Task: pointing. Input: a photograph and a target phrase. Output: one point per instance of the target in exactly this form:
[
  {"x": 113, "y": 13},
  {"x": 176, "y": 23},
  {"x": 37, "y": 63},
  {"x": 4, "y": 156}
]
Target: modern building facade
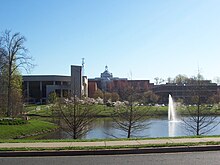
[
  {"x": 37, "y": 88},
  {"x": 76, "y": 80}
]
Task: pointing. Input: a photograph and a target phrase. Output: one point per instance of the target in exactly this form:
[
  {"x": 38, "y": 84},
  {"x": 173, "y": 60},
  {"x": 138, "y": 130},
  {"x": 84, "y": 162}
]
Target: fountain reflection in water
[
  {"x": 173, "y": 128},
  {"x": 172, "y": 118}
]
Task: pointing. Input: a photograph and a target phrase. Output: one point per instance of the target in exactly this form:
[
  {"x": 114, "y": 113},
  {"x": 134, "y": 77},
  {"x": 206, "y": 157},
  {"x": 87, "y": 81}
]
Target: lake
[{"x": 158, "y": 127}]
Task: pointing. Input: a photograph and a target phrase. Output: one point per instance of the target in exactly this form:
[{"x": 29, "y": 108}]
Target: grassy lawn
[
  {"x": 105, "y": 111},
  {"x": 39, "y": 110},
  {"x": 102, "y": 110},
  {"x": 33, "y": 127}
]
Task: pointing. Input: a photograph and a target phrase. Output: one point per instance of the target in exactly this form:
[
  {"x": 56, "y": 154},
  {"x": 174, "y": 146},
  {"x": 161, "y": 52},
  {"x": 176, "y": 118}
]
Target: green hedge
[{"x": 11, "y": 121}]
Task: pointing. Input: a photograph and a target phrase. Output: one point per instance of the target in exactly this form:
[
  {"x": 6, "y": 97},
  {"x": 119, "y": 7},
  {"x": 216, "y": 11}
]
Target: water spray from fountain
[
  {"x": 172, "y": 118},
  {"x": 171, "y": 110}
]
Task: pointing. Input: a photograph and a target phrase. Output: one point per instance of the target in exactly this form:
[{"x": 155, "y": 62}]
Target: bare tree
[
  {"x": 129, "y": 117},
  {"x": 75, "y": 116},
  {"x": 2, "y": 81},
  {"x": 158, "y": 80},
  {"x": 201, "y": 117},
  {"x": 13, "y": 49}
]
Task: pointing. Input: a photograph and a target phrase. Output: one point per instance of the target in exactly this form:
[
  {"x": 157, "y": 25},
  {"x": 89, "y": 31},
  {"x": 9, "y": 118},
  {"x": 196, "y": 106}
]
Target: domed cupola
[{"x": 106, "y": 75}]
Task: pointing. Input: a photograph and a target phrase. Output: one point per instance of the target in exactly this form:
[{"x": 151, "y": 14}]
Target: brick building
[{"x": 107, "y": 83}]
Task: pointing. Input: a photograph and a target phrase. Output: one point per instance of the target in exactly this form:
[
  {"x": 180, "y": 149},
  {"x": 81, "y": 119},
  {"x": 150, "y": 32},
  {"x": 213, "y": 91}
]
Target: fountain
[
  {"x": 171, "y": 110},
  {"x": 173, "y": 122}
]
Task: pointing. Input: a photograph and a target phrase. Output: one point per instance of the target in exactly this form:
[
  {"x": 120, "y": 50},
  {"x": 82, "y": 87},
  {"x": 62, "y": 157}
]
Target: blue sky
[{"x": 148, "y": 38}]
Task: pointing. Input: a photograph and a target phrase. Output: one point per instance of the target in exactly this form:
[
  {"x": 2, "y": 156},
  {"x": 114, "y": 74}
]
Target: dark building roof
[{"x": 46, "y": 78}]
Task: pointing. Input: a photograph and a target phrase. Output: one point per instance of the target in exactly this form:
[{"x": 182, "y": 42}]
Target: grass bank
[{"x": 33, "y": 127}]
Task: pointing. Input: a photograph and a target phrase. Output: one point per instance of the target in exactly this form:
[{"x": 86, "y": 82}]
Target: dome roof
[{"x": 106, "y": 74}]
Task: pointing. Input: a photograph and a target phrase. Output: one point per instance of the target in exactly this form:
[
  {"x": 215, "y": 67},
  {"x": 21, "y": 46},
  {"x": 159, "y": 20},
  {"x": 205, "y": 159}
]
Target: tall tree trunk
[
  {"x": 130, "y": 121},
  {"x": 198, "y": 117},
  {"x": 9, "y": 104}
]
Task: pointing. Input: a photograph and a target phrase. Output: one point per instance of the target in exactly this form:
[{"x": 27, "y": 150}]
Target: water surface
[{"x": 159, "y": 127}]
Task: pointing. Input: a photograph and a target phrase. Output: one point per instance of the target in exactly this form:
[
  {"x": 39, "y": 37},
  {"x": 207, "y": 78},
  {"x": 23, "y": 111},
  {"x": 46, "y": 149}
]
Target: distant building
[
  {"x": 92, "y": 85},
  {"x": 108, "y": 83},
  {"x": 186, "y": 91},
  {"x": 76, "y": 80},
  {"x": 37, "y": 88},
  {"x": 105, "y": 80}
]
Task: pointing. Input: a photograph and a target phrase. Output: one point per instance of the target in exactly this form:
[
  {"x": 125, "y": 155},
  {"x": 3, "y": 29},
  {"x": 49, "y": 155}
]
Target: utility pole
[{"x": 83, "y": 66}]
